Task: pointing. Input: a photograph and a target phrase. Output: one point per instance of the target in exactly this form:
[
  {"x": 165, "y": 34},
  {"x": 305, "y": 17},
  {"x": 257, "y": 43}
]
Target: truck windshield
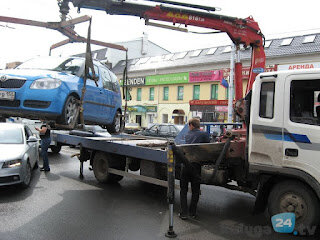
[{"x": 59, "y": 64}]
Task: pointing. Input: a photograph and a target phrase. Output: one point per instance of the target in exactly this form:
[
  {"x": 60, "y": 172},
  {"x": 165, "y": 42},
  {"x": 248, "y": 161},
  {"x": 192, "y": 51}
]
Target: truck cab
[{"x": 284, "y": 142}]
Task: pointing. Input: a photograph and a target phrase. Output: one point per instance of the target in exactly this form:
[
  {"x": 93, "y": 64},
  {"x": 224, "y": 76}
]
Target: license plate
[{"x": 7, "y": 95}]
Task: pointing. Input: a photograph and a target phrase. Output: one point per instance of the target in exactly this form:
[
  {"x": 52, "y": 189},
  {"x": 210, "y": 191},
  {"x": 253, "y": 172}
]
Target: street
[{"x": 58, "y": 205}]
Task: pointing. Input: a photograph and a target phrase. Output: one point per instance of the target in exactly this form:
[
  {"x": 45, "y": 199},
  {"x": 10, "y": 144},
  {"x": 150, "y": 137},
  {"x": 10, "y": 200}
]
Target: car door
[
  {"x": 93, "y": 98},
  {"x": 164, "y": 131},
  {"x": 108, "y": 108},
  {"x": 32, "y": 149},
  {"x": 301, "y": 132}
]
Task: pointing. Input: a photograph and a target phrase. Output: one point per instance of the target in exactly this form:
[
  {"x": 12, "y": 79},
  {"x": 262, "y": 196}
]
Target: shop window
[
  {"x": 164, "y": 118},
  {"x": 214, "y": 91},
  {"x": 196, "y": 92},
  {"x": 139, "y": 90},
  {"x": 266, "y": 109},
  {"x": 150, "y": 118},
  {"x": 180, "y": 92},
  {"x": 166, "y": 93},
  {"x": 305, "y": 101},
  {"x": 151, "y": 94}
]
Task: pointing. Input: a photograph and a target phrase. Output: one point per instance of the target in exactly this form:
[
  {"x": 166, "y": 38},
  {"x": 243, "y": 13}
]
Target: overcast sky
[{"x": 18, "y": 42}]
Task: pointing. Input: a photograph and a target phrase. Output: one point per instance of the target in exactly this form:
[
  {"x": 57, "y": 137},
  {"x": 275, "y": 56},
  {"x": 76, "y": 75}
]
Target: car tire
[
  {"x": 117, "y": 124},
  {"x": 297, "y": 197},
  {"x": 69, "y": 111},
  {"x": 27, "y": 178}
]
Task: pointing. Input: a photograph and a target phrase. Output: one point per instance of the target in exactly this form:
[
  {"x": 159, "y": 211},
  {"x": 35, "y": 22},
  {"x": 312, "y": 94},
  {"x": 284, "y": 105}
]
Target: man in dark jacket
[{"x": 191, "y": 172}]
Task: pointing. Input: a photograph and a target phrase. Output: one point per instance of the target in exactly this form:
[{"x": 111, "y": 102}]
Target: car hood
[
  {"x": 11, "y": 151},
  {"x": 33, "y": 74}
]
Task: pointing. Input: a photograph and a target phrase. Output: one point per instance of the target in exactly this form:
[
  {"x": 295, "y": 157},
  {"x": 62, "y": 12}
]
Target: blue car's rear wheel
[{"x": 69, "y": 112}]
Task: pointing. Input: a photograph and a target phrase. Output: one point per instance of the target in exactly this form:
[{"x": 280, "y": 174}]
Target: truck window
[
  {"x": 305, "y": 101},
  {"x": 266, "y": 109}
]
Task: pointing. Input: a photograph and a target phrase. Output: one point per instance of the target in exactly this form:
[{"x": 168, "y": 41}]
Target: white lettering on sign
[
  {"x": 136, "y": 81},
  {"x": 298, "y": 66}
]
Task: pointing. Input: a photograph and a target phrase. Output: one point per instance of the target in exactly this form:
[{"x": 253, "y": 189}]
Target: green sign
[
  {"x": 151, "y": 108},
  {"x": 167, "y": 79}
]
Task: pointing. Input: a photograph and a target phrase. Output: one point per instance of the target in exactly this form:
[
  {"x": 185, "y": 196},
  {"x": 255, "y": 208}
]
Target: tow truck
[{"x": 273, "y": 156}]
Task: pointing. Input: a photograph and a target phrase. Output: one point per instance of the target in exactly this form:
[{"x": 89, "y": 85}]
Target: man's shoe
[
  {"x": 193, "y": 216},
  {"x": 44, "y": 170},
  {"x": 182, "y": 216}
]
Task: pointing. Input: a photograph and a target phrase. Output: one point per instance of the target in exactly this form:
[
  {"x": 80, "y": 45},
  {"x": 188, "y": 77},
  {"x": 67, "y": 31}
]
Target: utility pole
[{"x": 230, "y": 87}]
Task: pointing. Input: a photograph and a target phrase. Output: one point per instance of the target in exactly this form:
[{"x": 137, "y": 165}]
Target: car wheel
[
  {"x": 69, "y": 112},
  {"x": 117, "y": 124},
  {"x": 27, "y": 177}
]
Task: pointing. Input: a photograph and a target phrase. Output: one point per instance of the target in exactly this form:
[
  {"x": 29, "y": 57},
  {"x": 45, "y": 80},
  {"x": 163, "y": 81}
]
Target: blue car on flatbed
[{"x": 49, "y": 87}]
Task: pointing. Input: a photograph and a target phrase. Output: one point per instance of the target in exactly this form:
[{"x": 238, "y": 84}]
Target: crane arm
[{"x": 241, "y": 31}]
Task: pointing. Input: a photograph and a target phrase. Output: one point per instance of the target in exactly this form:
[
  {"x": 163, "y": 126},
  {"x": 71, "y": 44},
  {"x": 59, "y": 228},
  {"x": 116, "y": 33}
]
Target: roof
[{"x": 280, "y": 47}]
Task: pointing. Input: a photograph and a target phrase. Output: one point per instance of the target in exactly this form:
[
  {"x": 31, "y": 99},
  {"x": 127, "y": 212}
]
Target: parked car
[
  {"x": 49, "y": 87},
  {"x": 132, "y": 128},
  {"x": 18, "y": 154},
  {"x": 165, "y": 130}
]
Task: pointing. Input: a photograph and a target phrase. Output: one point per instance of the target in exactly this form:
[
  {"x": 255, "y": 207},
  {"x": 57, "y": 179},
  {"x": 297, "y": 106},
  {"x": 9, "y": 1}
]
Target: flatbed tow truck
[{"x": 273, "y": 156}]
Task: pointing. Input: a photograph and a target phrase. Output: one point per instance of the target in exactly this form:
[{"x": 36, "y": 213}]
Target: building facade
[{"x": 175, "y": 87}]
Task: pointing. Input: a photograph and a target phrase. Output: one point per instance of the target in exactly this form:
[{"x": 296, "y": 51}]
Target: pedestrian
[
  {"x": 44, "y": 132},
  {"x": 191, "y": 172}
]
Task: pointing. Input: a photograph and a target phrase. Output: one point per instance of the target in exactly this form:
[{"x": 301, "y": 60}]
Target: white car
[{"x": 18, "y": 154}]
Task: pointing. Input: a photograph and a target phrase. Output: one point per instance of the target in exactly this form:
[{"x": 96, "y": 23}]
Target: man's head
[{"x": 194, "y": 123}]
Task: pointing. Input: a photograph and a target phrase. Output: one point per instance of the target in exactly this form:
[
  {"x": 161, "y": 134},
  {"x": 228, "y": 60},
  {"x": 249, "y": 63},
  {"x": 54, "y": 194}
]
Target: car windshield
[
  {"x": 59, "y": 64},
  {"x": 11, "y": 135}
]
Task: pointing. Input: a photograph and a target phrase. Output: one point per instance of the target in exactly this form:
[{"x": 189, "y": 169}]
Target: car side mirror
[{"x": 32, "y": 139}]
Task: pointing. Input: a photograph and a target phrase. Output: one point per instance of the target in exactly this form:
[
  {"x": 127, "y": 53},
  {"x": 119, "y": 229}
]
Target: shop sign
[
  {"x": 136, "y": 109},
  {"x": 167, "y": 79},
  {"x": 209, "y": 102},
  {"x": 151, "y": 108},
  {"x": 206, "y": 76},
  {"x": 221, "y": 108},
  {"x": 138, "y": 81},
  {"x": 246, "y": 71},
  {"x": 142, "y": 108},
  {"x": 297, "y": 66}
]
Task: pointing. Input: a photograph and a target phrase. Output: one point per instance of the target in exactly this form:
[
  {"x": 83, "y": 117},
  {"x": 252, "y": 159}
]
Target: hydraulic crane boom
[{"x": 241, "y": 31}]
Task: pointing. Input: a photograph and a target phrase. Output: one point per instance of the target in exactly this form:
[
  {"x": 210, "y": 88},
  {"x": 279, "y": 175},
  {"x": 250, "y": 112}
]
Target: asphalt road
[{"x": 58, "y": 205}]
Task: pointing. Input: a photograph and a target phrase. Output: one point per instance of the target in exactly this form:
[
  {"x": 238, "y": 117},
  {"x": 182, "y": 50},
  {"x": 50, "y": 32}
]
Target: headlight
[
  {"x": 46, "y": 83},
  {"x": 11, "y": 164}
]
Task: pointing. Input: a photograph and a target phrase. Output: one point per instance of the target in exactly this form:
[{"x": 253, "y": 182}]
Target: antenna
[{"x": 186, "y": 5}]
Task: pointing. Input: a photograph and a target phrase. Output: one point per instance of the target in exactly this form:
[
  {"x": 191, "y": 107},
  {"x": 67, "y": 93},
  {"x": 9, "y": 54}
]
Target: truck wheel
[
  {"x": 296, "y": 197},
  {"x": 55, "y": 148},
  {"x": 101, "y": 164}
]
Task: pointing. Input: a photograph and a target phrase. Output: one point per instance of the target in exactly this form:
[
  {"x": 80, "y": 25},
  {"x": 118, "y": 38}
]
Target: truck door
[
  {"x": 301, "y": 132},
  {"x": 266, "y": 122}
]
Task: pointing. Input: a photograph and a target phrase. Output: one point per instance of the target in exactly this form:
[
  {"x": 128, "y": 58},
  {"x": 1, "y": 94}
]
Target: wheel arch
[{"x": 267, "y": 180}]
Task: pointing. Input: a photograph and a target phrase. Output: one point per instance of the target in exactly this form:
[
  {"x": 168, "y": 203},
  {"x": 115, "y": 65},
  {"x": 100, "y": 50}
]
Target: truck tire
[
  {"x": 55, "y": 148},
  {"x": 295, "y": 196},
  {"x": 102, "y": 162}
]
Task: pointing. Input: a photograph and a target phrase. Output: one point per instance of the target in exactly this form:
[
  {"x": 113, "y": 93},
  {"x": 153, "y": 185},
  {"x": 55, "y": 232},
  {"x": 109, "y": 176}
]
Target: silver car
[{"x": 18, "y": 154}]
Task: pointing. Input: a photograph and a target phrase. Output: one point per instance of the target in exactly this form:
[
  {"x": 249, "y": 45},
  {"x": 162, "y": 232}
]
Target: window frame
[
  {"x": 260, "y": 100},
  {"x": 194, "y": 92},
  {"x": 151, "y": 94}
]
